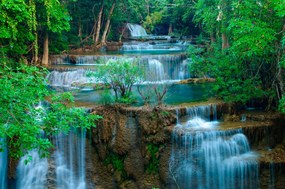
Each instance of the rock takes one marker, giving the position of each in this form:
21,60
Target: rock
118,176
164,164
72,59
196,80
228,117
102,151
128,185
134,164
126,136
149,181
113,46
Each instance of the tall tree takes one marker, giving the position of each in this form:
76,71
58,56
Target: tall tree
107,25
52,17
33,19
254,29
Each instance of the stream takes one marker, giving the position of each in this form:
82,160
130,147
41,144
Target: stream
202,156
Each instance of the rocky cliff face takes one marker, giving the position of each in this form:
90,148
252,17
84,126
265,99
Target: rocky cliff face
132,146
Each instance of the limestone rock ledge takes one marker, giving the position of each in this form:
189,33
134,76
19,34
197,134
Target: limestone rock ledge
133,144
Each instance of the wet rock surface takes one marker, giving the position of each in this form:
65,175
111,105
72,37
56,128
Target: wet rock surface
127,132
125,138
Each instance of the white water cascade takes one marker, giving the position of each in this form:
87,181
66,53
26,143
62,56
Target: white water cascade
156,70
32,174
68,78
165,67
204,157
70,160
3,164
136,30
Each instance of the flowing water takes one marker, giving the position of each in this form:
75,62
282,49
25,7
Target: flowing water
69,165
136,30
205,157
32,174
3,164
171,67
70,160
161,60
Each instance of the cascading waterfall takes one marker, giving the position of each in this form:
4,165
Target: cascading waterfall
32,174
204,157
163,47
67,78
156,70
70,165
70,160
272,176
136,30
170,67
3,164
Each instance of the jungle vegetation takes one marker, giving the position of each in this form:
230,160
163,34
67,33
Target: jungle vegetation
240,43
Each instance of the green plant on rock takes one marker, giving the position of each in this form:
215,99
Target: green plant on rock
116,161
165,113
153,164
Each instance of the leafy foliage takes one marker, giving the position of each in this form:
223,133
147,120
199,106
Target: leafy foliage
281,107
198,65
106,97
154,161
233,81
15,21
22,23
120,74
152,20
23,122
116,161
246,48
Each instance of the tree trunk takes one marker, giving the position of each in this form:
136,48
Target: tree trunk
80,30
35,49
94,31
104,36
170,29
280,83
45,50
147,7
225,42
99,23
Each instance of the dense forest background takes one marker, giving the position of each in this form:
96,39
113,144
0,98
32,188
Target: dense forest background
241,45
243,41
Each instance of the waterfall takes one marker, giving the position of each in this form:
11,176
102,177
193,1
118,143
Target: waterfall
156,71
162,47
67,78
136,30
3,164
70,165
32,174
170,67
70,160
81,60
204,157
272,175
